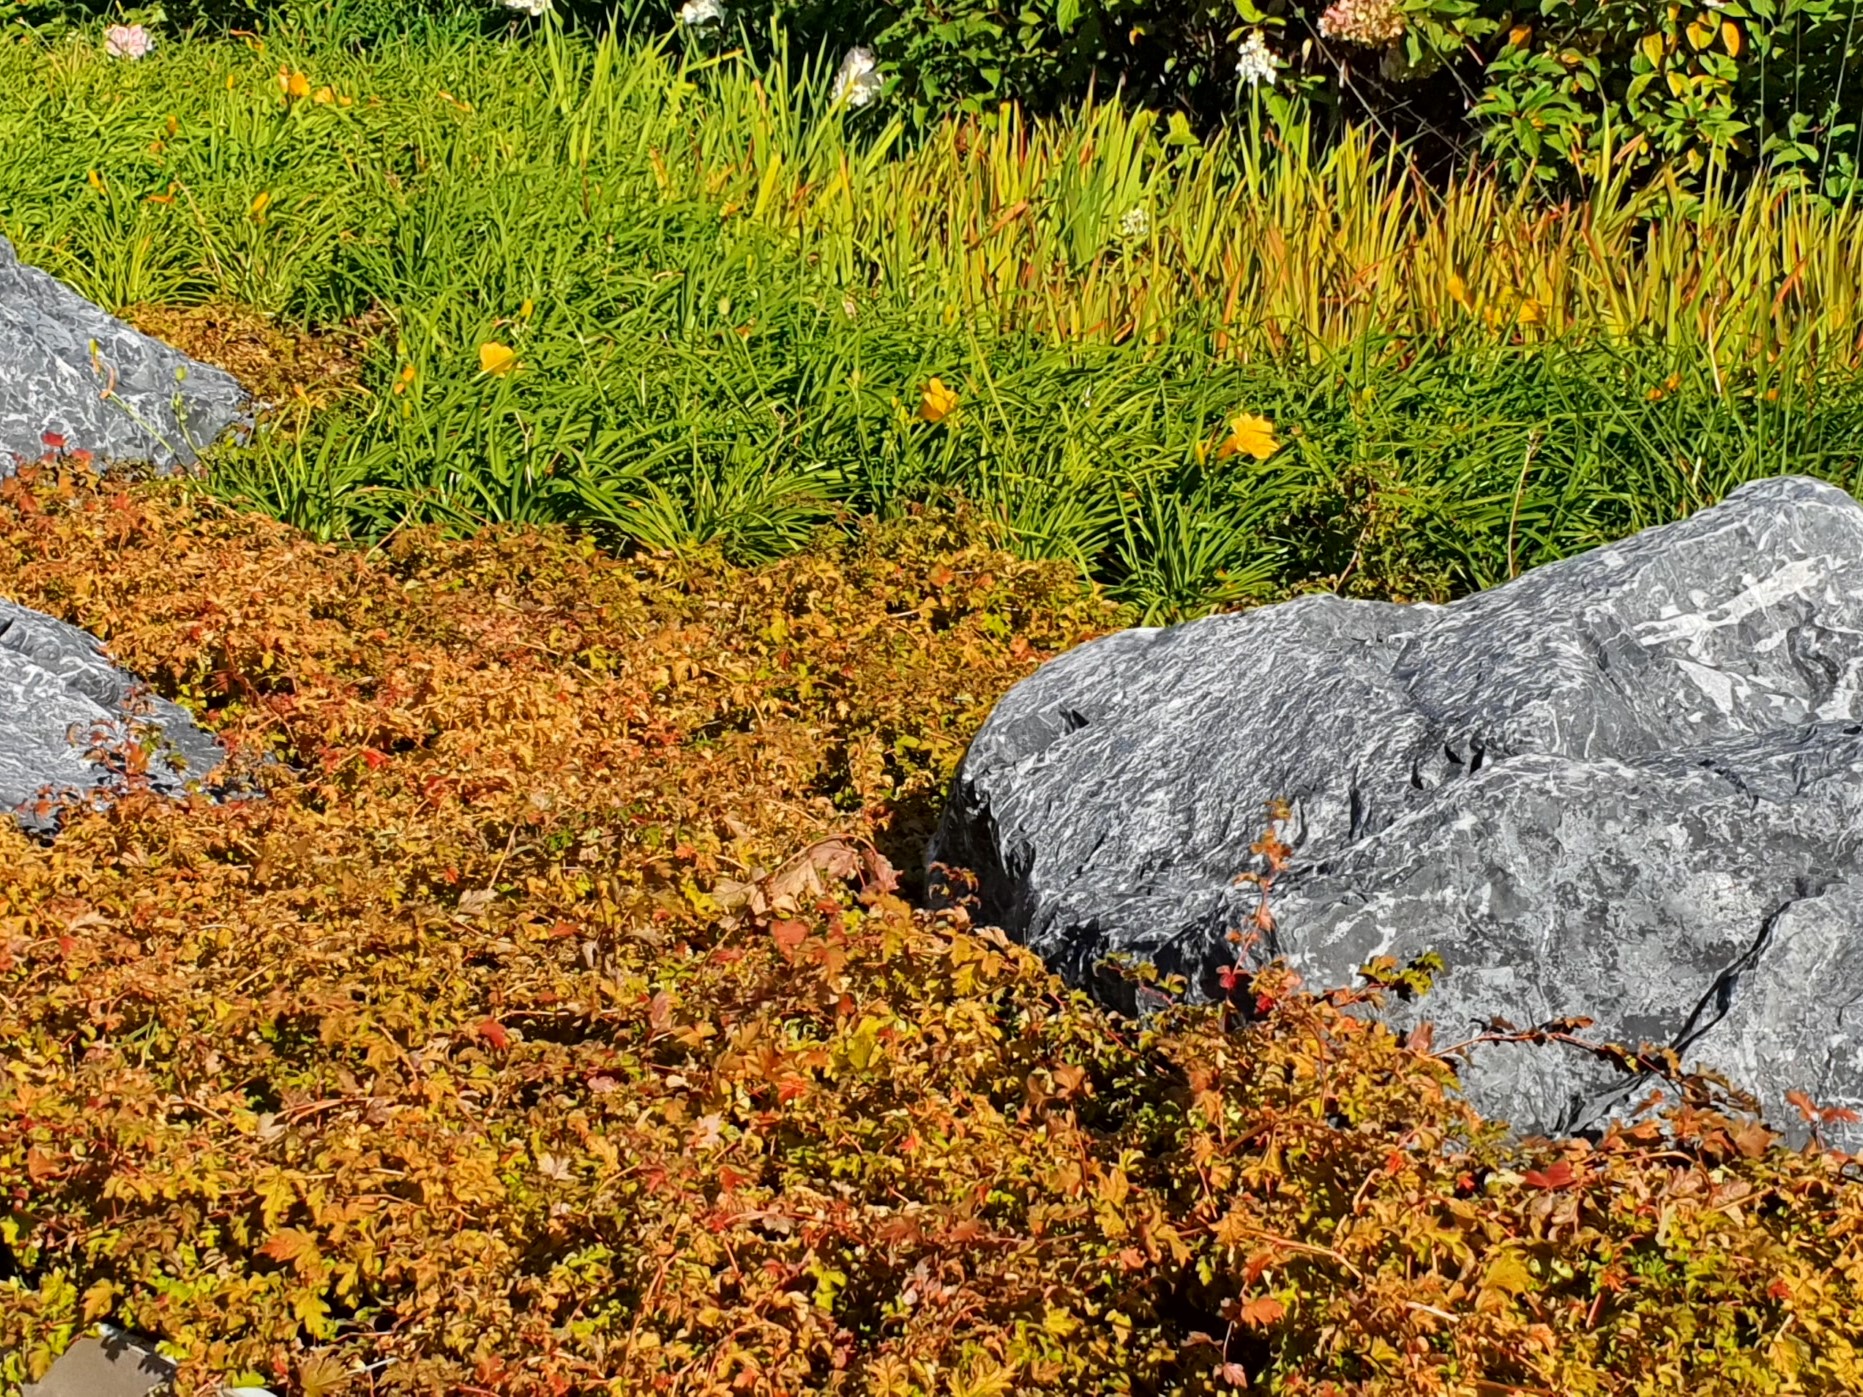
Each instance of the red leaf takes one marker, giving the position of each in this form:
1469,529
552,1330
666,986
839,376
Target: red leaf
1560,1175
288,1244
660,1012
1234,1374
788,936
1263,1311
494,1033
53,440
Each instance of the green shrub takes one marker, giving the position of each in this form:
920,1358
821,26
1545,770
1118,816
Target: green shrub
1703,85
1556,93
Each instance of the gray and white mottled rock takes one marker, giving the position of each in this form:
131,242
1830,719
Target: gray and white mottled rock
113,1363
62,702
1627,786
110,1364
95,384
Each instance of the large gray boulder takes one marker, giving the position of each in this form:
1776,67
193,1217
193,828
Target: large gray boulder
67,714
1626,786
76,379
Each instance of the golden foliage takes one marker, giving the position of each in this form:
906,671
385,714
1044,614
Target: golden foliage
554,1025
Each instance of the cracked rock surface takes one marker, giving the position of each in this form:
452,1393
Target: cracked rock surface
63,704
1627,786
70,371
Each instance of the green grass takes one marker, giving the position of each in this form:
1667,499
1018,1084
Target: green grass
726,297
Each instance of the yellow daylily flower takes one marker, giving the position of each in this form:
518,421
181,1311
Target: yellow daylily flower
498,359
937,402
1251,435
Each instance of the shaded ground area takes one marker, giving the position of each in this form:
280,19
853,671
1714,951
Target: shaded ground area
280,365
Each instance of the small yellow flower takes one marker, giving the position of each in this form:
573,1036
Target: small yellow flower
1458,292
95,181
260,204
324,96
937,402
1531,312
1665,388
524,311
497,359
404,380
293,84
1251,435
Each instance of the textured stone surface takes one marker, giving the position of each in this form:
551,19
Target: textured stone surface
60,698
1627,786
70,370
111,1365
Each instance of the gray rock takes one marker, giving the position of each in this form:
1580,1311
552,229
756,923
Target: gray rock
72,372
1627,786
111,1365
63,704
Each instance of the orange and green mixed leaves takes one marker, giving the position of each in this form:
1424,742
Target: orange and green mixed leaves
555,1025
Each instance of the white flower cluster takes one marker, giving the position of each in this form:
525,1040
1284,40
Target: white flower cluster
1368,22
1135,224
536,9
695,14
1255,61
858,79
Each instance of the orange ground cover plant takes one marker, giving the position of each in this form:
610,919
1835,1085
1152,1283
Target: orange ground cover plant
558,1023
